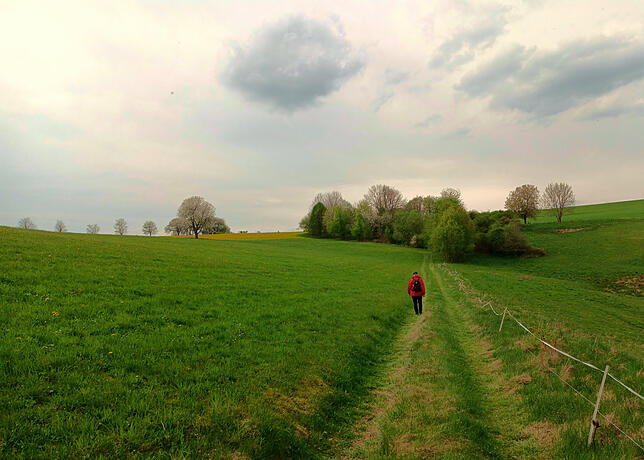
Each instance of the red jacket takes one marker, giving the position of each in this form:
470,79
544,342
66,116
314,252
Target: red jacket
411,284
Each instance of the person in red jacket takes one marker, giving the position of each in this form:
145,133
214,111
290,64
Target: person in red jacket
416,289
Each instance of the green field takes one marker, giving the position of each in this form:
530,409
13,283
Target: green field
303,348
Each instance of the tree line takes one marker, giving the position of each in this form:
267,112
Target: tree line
440,223
195,216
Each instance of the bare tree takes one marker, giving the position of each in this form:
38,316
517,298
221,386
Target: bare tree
26,223
60,226
197,212
453,193
384,199
177,226
330,200
415,204
523,200
556,197
149,228
93,229
120,226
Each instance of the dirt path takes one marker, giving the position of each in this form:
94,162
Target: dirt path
442,397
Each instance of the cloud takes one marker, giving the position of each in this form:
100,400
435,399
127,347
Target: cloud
292,63
394,77
546,83
463,46
615,111
458,134
430,120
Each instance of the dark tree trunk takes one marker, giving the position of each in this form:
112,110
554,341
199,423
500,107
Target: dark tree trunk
525,219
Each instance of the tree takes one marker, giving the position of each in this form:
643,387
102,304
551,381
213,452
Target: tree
60,226
316,226
415,204
26,223
216,225
197,212
93,229
339,223
406,225
453,235
384,199
361,229
120,226
557,197
177,226
149,228
454,193
524,201
330,199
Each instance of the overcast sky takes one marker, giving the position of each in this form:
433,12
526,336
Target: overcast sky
122,109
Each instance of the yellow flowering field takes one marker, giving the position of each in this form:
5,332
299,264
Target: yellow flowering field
246,236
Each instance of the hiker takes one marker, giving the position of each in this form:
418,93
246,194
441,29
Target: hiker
416,289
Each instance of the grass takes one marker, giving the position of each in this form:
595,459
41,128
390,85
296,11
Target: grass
574,297
130,346
246,236
304,348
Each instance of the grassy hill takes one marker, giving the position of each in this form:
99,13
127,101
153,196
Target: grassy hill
135,346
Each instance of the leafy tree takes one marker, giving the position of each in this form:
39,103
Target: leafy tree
524,201
429,202
453,235
339,224
315,225
361,229
197,212
406,225
120,226
216,225
149,228
26,223
60,226
93,229
557,197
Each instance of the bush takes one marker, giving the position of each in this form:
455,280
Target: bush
453,235
361,229
406,225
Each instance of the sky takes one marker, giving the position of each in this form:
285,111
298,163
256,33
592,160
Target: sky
123,109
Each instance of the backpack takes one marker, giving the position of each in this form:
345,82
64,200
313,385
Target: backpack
416,286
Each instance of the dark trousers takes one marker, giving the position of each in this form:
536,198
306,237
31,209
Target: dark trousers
418,304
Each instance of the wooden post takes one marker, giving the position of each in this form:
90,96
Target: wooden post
503,319
593,423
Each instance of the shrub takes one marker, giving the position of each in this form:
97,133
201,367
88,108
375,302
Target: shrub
339,223
406,225
361,229
453,235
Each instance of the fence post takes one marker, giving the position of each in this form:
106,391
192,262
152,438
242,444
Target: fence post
593,423
503,318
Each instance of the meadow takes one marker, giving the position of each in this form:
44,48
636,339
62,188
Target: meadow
126,346
484,393
305,348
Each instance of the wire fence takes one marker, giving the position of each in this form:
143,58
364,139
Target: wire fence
463,287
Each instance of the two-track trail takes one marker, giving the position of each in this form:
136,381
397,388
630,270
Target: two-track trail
442,397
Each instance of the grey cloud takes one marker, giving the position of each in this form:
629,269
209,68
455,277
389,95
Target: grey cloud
543,84
462,47
430,120
615,112
292,63
457,134
382,99
395,77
